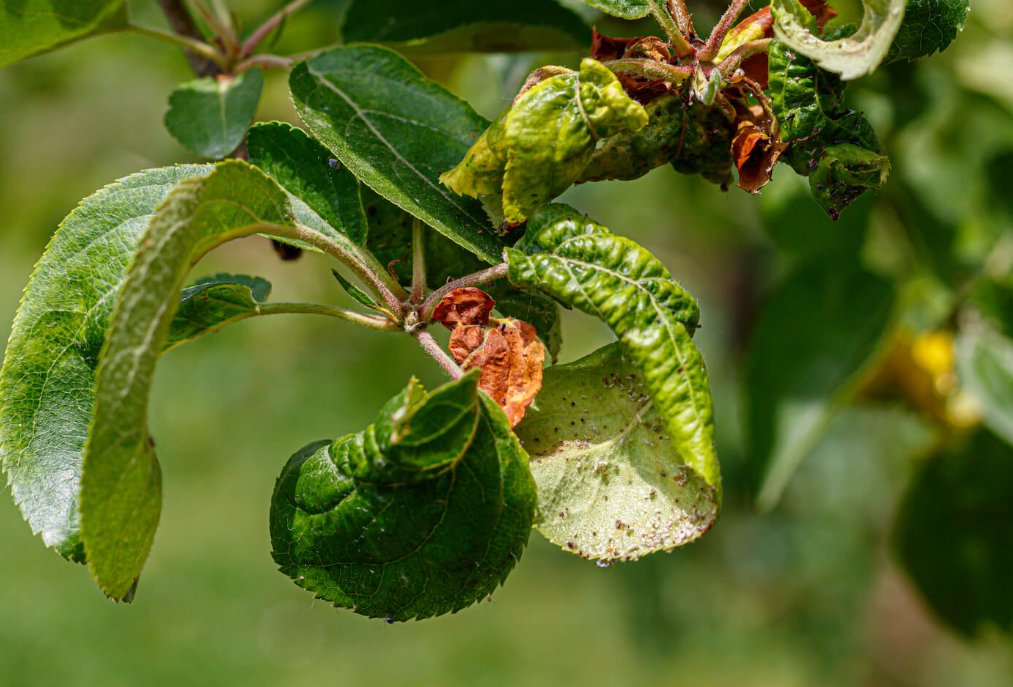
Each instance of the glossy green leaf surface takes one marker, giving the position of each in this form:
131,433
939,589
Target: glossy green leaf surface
805,98
541,145
121,480
624,9
210,116
985,368
844,172
929,26
423,513
46,385
953,535
213,302
611,484
30,27
837,316
582,264
851,57
465,25
396,131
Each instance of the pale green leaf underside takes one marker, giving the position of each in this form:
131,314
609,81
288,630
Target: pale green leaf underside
465,25
582,264
625,9
985,368
213,302
425,512
611,485
30,27
48,375
396,131
851,57
210,116
121,480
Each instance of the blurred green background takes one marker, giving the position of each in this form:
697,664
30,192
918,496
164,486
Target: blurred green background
806,595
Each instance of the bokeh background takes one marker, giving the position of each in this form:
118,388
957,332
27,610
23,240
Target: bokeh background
806,595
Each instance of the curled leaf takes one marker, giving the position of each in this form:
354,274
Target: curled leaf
464,306
510,357
424,512
538,148
844,172
852,56
756,148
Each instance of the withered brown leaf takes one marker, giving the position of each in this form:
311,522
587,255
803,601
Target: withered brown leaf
464,306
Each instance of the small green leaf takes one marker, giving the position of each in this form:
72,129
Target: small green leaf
805,98
30,27
624,9
213,302
929,26
812,340
540,146
611,485
306,169
985,368
46,385
210,116
396,131
953,535
121,479
423,513
465,25
845,172
851,57
582,264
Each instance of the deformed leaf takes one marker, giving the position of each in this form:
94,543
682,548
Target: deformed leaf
581,263
812,340
396,131
624,9
121,493
928,26
611,484
30,27
464,306
210,116
465,26
213,302
852,56
985,368
953,535
423,513
538,148
537,309
46,385
846,171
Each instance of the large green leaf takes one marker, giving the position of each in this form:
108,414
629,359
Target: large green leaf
30,27
396,131
611,485
954,538
625,9
46,386
121,479
465,25
582,264
928,26
985,368
851,57
805,98
423,513
210,303
811,342
210,116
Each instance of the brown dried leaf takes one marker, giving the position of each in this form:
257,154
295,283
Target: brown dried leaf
464,306
510,356
755,149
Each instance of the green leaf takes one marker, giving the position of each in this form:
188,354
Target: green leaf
306,169
845,172
611,485
929,26
815,335
30,27
805,98
985,368
624,9
582,264
213,302
994,298
465,25
423,513
851,57
121,490
396,131
540,146
46,385
210,116
953,535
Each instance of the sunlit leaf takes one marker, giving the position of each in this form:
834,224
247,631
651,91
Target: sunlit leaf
624,9
210,116
30,27
928,26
